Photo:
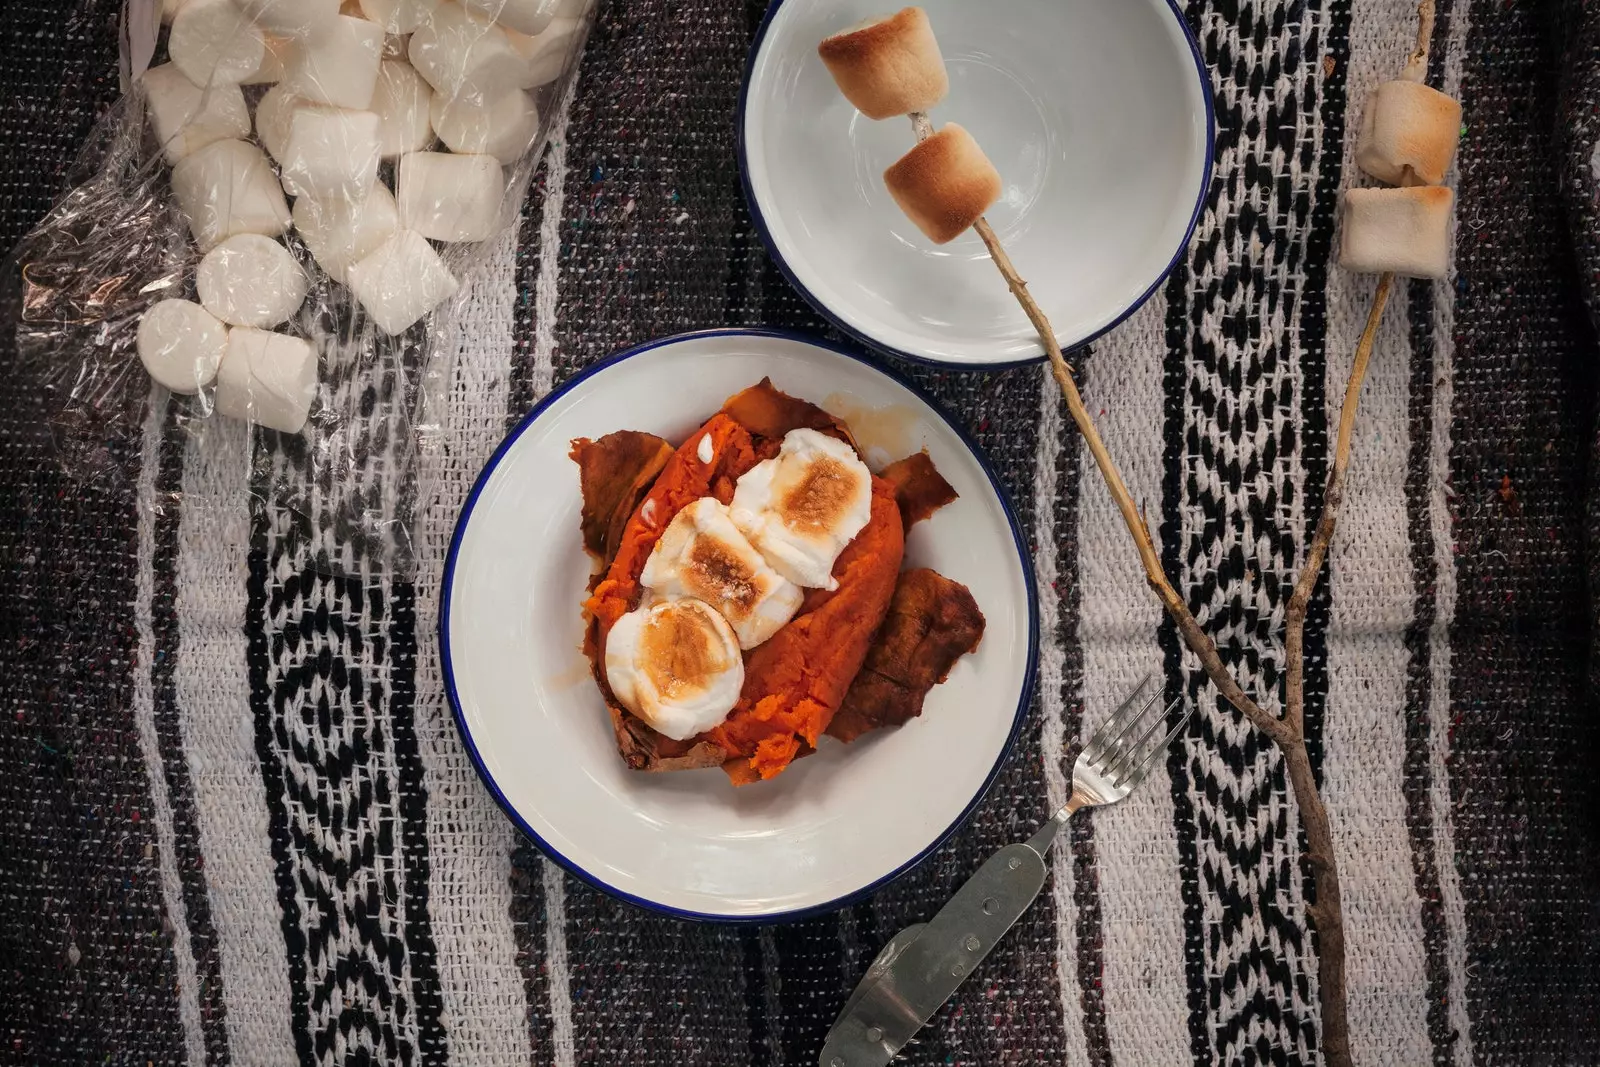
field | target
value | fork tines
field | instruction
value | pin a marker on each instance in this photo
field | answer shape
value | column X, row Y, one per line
column 1121, row 750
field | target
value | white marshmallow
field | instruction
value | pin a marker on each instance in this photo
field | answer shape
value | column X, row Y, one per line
column 572, row 9
column 803, row 507
column 268, row 378
column 402, row 102
column 228, row 187
column 331, row 153
column 399, row 16
column 250, row 280
column 676, row 665
column 1406, row 231
column 213, row 43
column 524, row 16
column 181, row 343
column 274, row 114
column 170, row 9
column 502, row 127
column 401, row 282
column 342, row 232
column 544, row 57
column 338, row 65
column 1409, row 134
column 187, row 118
column 449, row 197
column 291, row 18
column 703, row 556
column 275, row 53
column 459, row 52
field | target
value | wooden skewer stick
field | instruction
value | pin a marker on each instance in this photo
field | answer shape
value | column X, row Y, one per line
column 1195, row 637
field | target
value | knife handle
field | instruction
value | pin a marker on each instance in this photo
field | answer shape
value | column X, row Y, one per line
column 919, row 981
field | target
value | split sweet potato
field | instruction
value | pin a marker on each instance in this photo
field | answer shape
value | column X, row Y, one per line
column 800, row 681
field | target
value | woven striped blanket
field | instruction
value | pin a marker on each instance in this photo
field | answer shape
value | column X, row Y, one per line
column 237, row 825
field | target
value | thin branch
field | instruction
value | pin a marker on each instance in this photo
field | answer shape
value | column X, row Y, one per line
column 1416, row 69
column 1188, row 627
column 1306, row 584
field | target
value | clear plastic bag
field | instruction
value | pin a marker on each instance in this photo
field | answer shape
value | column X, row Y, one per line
column 175, row 271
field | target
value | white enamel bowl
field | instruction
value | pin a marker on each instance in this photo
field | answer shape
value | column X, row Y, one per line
column 1097, row 114
column 835, row 825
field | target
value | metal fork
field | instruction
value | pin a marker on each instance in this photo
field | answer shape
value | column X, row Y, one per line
column 922, row 965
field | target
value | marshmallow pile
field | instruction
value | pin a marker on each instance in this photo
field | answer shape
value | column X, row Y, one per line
column 889, row 66
column 436, row 92
column 1408, row 138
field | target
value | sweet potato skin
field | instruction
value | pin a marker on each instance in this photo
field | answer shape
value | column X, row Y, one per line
column 932, row 622
column 614, row 474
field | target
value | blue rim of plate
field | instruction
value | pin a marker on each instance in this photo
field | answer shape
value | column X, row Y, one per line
column 1024, row 701
column 1207, row 173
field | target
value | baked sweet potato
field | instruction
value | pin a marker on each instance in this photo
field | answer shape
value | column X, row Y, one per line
column 633, row 485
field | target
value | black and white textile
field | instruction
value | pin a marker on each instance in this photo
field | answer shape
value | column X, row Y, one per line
column 237, row 826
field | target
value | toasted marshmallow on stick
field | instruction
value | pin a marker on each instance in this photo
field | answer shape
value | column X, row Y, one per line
column 944, row 184
column 889, row 65
column 1406, row 231
column 1409, row 134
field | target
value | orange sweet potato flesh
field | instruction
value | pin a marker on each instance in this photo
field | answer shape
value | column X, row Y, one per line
column 932, row 623
column 683, row 480
column 795, row 682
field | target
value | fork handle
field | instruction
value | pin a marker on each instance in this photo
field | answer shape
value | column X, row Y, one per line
column 918, row 982
column 1045, row 836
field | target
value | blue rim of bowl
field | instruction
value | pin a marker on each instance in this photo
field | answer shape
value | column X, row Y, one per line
column 1024, row 701
column 1207, row 172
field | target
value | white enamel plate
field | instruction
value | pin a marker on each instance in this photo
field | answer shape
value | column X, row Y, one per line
column 832, row 827
column 1097, row 114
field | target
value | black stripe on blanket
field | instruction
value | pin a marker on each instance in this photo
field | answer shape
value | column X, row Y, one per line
column 528, row 916
column 1089, row 931
column 1524, row 738
column 88, row 973
column 332, row 691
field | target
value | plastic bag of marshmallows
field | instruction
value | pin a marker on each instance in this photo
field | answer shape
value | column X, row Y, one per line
column 272, row 230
